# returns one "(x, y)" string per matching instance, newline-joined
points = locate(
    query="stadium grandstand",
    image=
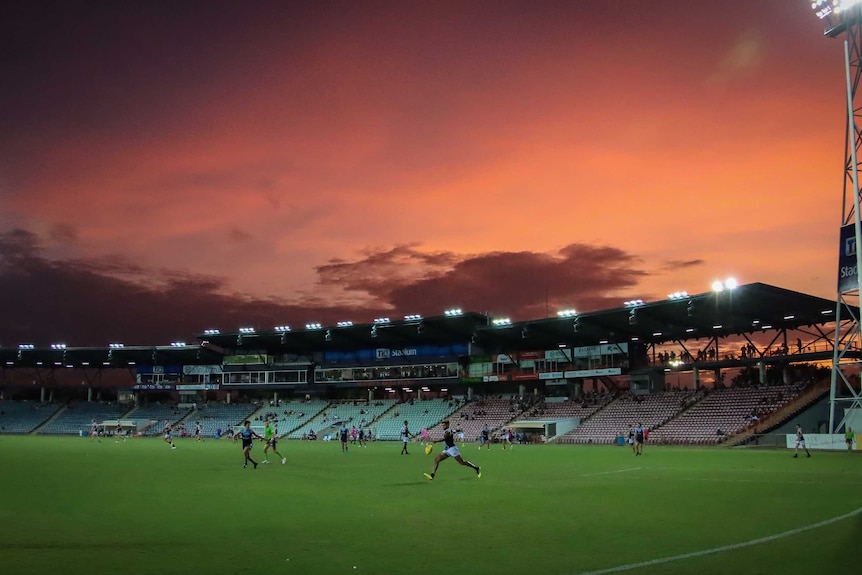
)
(706, 369)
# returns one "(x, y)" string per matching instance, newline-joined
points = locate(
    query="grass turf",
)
(70, 506)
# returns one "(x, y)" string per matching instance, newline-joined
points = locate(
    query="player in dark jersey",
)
(343, 434)
(168, 432)
(485, 438)
(639, 439)
(450, 451)
(800, 442)
(405, 437)
(247, 434)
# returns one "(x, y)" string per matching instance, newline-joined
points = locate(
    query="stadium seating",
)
(290, 416)
(24, 416)
(76, 417)
(621, 414)
(723, 413)
(472, 417)
(215, 416)
(420, 413)
(156, 414)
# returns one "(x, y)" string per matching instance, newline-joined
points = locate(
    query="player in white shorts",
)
(451, 450)
(800, 442)
(169, 434)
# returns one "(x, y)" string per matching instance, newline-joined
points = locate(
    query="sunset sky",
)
(170, 166)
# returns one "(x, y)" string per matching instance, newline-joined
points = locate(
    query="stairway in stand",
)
(773, 420)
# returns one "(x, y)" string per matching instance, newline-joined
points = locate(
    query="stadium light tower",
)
(844, 18)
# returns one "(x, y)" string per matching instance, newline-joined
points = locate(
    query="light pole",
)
(844, 18)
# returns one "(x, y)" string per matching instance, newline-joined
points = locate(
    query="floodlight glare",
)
(178, 344)
(453, 312)
(212, 332)
(567, 313)
(717, 286)
(246, 330)
(26, 346)
(501, 321)
(313, 326)
(116, 345)
(412, 317)
(344, 324)
(730, 283)
(677, 295)
(381, 320)
(58, 346)
(633, 303)
(282, 328)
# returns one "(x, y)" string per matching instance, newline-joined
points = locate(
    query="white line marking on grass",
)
(609, 472)
(723, 548)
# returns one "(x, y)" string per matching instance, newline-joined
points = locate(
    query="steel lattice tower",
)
(843, 18)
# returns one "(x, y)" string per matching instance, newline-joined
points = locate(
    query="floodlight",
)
(717, 286)
(282, 328)
(730, 283)
(26, 346)
(116, 345)
(344, 324)
(677, 295)
(212, 332)
(381, 320)
(453, 312)
(789, 317)
(178, 344)
(633, 303)
(246, 330)
(313, 326)
(567, 313)
(58, 346)
(689, 330)
(501, 321)
(412, 317)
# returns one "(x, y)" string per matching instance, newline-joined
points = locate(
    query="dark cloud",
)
(64, 233)
(238, 235)
(94, 302)
(520, 284)
(672, 265)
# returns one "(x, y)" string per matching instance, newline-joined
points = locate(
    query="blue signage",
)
(408, 354)
(847, 272)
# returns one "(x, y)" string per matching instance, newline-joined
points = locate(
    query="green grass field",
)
(69, 506)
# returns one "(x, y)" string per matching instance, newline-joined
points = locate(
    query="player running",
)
(485, 437)
(168, 434)
(271, 436)
(800, 442)
(247, 434)
(450, 451)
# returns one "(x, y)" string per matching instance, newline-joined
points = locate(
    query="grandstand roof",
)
(109, 357)
(745, 309)
(438, 330)
(748, 308)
